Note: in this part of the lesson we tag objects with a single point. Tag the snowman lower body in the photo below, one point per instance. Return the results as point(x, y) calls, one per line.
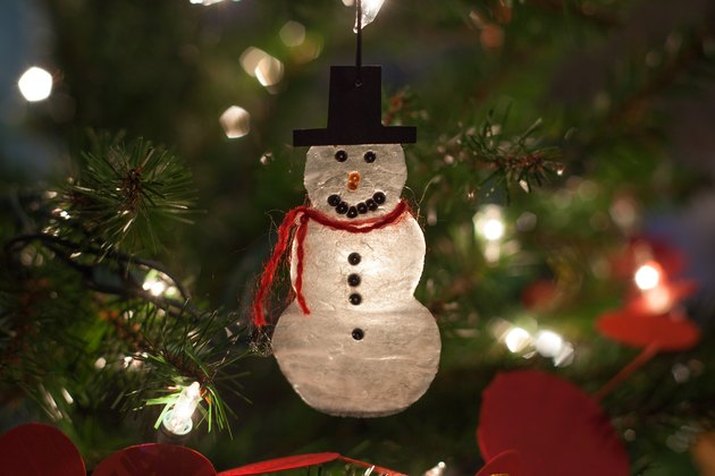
point(358, 363)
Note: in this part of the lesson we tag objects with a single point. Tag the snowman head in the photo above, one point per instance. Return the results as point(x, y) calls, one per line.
point(355, 182)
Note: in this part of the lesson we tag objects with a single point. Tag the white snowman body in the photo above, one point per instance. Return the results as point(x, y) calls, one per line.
point(367, 348)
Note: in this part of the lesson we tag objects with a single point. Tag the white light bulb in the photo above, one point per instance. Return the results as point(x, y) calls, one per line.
point(292, 34)
point(155, 287)
point(438, 470)
point(658, 300)
point(493, 229)
point(179, 419)
point(647, 276)
point(269, 71)
point(489, 223)
point(35, 84)
point(236, 122)
point(548, 343)
point(516, 339)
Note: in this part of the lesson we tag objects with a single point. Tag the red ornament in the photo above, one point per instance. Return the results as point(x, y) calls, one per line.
point(506, 463)
point(642, 249)
point(282, 464)
point(671, 331)
point(39, 450)
point(157, 460)
point(303, 461)
point(661, 299)
point(554, 426)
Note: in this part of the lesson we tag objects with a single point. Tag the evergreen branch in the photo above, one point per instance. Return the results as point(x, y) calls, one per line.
point(180, 344)
point(74, 255)
point(125, 192)
point(519, 160)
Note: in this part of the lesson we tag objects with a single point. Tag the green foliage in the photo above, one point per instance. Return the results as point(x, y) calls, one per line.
point(511, 162)
point(87, 308)
point(86, 329)
point(125, 192)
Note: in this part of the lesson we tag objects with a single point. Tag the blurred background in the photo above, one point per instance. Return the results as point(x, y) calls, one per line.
point(523, 257)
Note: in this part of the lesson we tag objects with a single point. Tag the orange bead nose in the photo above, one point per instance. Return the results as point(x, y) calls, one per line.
point(353, 181)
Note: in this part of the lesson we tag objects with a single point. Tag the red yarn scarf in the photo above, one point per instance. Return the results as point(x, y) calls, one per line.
point(299, 217)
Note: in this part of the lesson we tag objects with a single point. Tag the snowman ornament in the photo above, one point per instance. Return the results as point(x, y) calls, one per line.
point(354, 342)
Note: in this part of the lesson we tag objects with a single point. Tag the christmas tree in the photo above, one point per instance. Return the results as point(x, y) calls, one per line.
point(561, 176)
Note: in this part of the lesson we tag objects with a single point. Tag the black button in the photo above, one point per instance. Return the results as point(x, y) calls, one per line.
point(361, 208)
point(379, 198)
point(352, 212)
point(354, 258)
point(334, 200)
point(354, 280)
point(358, 334)
point(341, 156)
point(370, 157)
point(370, 204)
point(342, 208)
point(355, 299)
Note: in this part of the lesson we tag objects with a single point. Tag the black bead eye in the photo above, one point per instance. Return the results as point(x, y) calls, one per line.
point(370, 156)
point(341, 156)
point(379, 198)
point(334, 200)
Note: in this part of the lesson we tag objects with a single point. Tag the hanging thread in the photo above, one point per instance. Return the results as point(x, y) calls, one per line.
point(358, 46)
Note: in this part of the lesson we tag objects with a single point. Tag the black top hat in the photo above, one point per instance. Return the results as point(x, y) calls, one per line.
point(354, 112)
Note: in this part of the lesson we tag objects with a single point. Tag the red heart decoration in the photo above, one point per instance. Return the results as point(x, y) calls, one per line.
point(556, 428)
point(282, 464)
point(155, 459)
point(39, 450)
point(671, 331)
point(507, 463)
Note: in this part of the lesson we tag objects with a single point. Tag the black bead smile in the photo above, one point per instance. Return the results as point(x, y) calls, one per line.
point(352, 211)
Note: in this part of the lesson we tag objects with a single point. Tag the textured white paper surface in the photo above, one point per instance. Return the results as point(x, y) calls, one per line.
point(325, 176)
point(396, 359)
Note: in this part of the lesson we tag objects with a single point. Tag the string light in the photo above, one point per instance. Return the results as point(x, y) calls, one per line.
point(262, 66)
point(154, 287)
point(159, 284)
point(493, 229)
point(438, 470)
point(517, 339)
point(269, 71)
point(648, 276)
point(292, 34)
point(659, 299)
point(489, 223)
point(179, 418)
point(35, 84)
point(236, 122)
point(548, 343)
point(100, 363)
